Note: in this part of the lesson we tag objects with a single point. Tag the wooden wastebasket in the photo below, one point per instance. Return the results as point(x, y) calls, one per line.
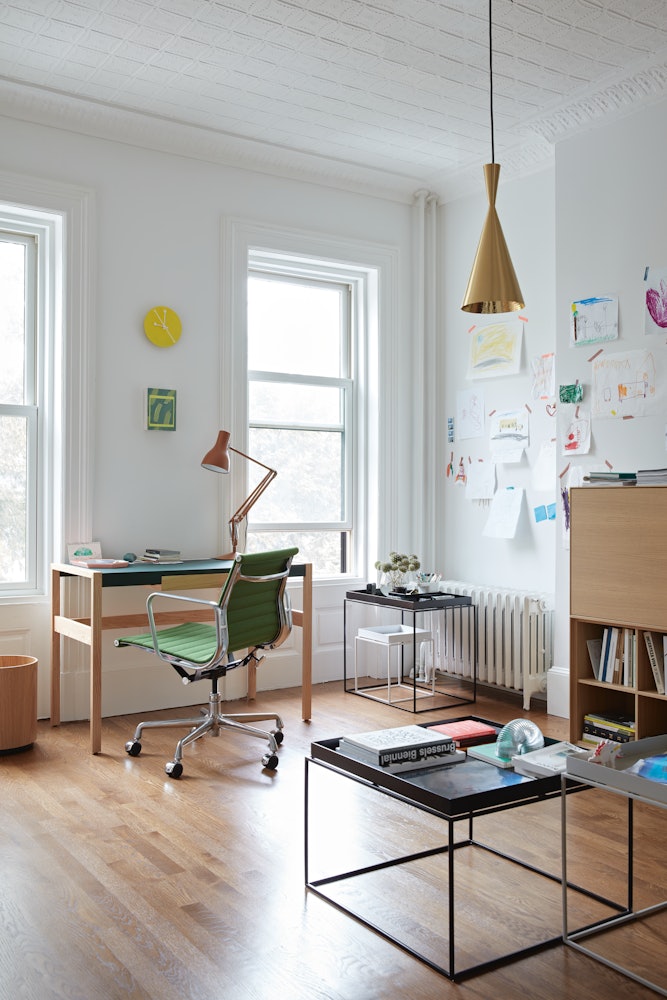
point(18, 703)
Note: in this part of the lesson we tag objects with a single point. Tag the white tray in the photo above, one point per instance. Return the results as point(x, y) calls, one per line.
point(394, 634)
point(615, 777)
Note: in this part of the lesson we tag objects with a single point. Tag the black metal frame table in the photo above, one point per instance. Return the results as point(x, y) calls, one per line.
point(409, 606)
point(454, 793)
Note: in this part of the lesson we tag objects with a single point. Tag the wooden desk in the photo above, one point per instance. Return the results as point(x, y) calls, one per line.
point(188, 575)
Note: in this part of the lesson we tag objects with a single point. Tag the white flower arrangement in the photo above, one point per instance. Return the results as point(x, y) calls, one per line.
point(397, 566)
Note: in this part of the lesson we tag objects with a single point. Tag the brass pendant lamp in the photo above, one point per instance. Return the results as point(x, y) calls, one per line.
point(493, 286)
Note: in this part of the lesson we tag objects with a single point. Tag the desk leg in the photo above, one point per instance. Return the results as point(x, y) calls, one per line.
point(96, 663)
point(307, 645)
point(55, 648)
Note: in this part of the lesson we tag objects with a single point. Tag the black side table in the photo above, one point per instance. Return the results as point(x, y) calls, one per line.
point(417, 686)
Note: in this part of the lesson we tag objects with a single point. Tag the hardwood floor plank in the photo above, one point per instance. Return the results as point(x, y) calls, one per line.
point(121, 883)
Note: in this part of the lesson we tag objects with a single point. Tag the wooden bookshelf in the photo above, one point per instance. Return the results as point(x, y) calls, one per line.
point(618, 577)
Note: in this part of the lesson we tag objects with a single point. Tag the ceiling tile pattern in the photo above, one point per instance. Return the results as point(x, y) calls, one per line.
point(389, 92)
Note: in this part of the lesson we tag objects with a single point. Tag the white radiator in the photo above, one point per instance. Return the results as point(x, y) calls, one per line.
point(514, 638)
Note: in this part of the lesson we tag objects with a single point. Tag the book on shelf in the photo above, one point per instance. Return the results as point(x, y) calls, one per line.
point(546, 761)
point(589, 740)
point(594, 647)
point(609, 726)
point(594, 734)
point(488, 753)
point(613, 718)
point(656, 661)
point(402, 748)
point(467, 732)
point(611, 674)
point(629, 674)
point(604, 653)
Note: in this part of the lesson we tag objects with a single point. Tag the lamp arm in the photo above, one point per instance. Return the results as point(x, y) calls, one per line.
point(254, 496)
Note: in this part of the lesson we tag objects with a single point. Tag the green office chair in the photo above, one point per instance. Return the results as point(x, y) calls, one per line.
point(252, 613)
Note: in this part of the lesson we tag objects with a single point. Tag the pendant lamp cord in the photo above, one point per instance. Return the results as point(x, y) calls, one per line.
point(493, 148)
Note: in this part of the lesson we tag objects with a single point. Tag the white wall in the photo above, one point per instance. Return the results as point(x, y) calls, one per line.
point(158, 241)
point(526, 211)
point(589, 227)
point(611, 224)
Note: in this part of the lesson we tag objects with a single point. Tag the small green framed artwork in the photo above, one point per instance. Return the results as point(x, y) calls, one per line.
point(160, 409)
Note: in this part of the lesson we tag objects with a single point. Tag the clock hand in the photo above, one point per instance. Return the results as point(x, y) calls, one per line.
point(161, 320)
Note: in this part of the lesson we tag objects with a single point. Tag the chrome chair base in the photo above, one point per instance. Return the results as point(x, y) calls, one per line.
point(212, 720)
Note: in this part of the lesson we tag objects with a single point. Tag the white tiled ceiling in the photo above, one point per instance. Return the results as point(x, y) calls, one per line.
point(390, 94)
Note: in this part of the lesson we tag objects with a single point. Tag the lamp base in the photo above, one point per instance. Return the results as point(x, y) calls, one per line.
point(227, 557)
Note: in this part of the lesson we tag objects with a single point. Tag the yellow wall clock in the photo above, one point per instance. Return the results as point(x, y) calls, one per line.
point(162, 326)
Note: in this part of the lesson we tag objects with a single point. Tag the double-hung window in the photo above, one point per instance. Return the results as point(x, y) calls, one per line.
point(301, 348)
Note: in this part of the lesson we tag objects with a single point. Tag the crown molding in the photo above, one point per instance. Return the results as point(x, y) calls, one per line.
point(603, 105)
point(54, 109)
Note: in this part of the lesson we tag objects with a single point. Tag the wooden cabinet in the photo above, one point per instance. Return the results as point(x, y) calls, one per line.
point(618, 577)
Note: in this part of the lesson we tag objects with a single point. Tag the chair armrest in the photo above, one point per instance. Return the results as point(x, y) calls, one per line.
point(219, 614)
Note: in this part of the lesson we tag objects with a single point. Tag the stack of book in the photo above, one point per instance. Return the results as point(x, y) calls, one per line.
point(467, 732)
point(161, 556)
point(652, 477)
point(547, 760)
point(608, 726)
point(611, 479)
point(488, 752)
point(404, 748)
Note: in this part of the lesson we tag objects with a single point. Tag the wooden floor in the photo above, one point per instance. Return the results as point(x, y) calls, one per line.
point(118, 882)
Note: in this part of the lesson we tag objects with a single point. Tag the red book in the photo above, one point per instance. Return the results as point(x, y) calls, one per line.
point(467, 732)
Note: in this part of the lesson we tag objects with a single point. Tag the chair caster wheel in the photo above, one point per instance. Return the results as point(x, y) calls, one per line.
point(278, 735)
point(174, 768)
point(270, 761)
point(133, 747)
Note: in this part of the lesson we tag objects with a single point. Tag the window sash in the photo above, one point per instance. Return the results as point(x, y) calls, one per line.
point(342, 383)
point(30, 415)
point(27, 410)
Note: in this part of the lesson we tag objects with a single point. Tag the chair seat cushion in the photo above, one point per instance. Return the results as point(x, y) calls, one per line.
point(194, 641)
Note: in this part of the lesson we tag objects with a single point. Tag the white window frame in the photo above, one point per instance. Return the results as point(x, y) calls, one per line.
point(373, 268)
point(31, 410)
point(321, 274)
point(61, 216)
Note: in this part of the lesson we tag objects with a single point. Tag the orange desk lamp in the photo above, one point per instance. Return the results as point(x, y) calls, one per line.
point(217, 460)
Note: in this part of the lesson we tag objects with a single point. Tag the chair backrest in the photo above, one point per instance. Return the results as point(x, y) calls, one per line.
point(258, 612)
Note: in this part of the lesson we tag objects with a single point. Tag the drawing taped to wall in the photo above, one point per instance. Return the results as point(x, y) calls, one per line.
point(509, 435)
point(544, 384)
point(655, 313)
point(624, 384)
point(593, 320)
point(504, 514)
point(573, 393)
point(481, 480)
point(543, 470)
point(575, 428)
point(495, 349)
point(470, 413)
